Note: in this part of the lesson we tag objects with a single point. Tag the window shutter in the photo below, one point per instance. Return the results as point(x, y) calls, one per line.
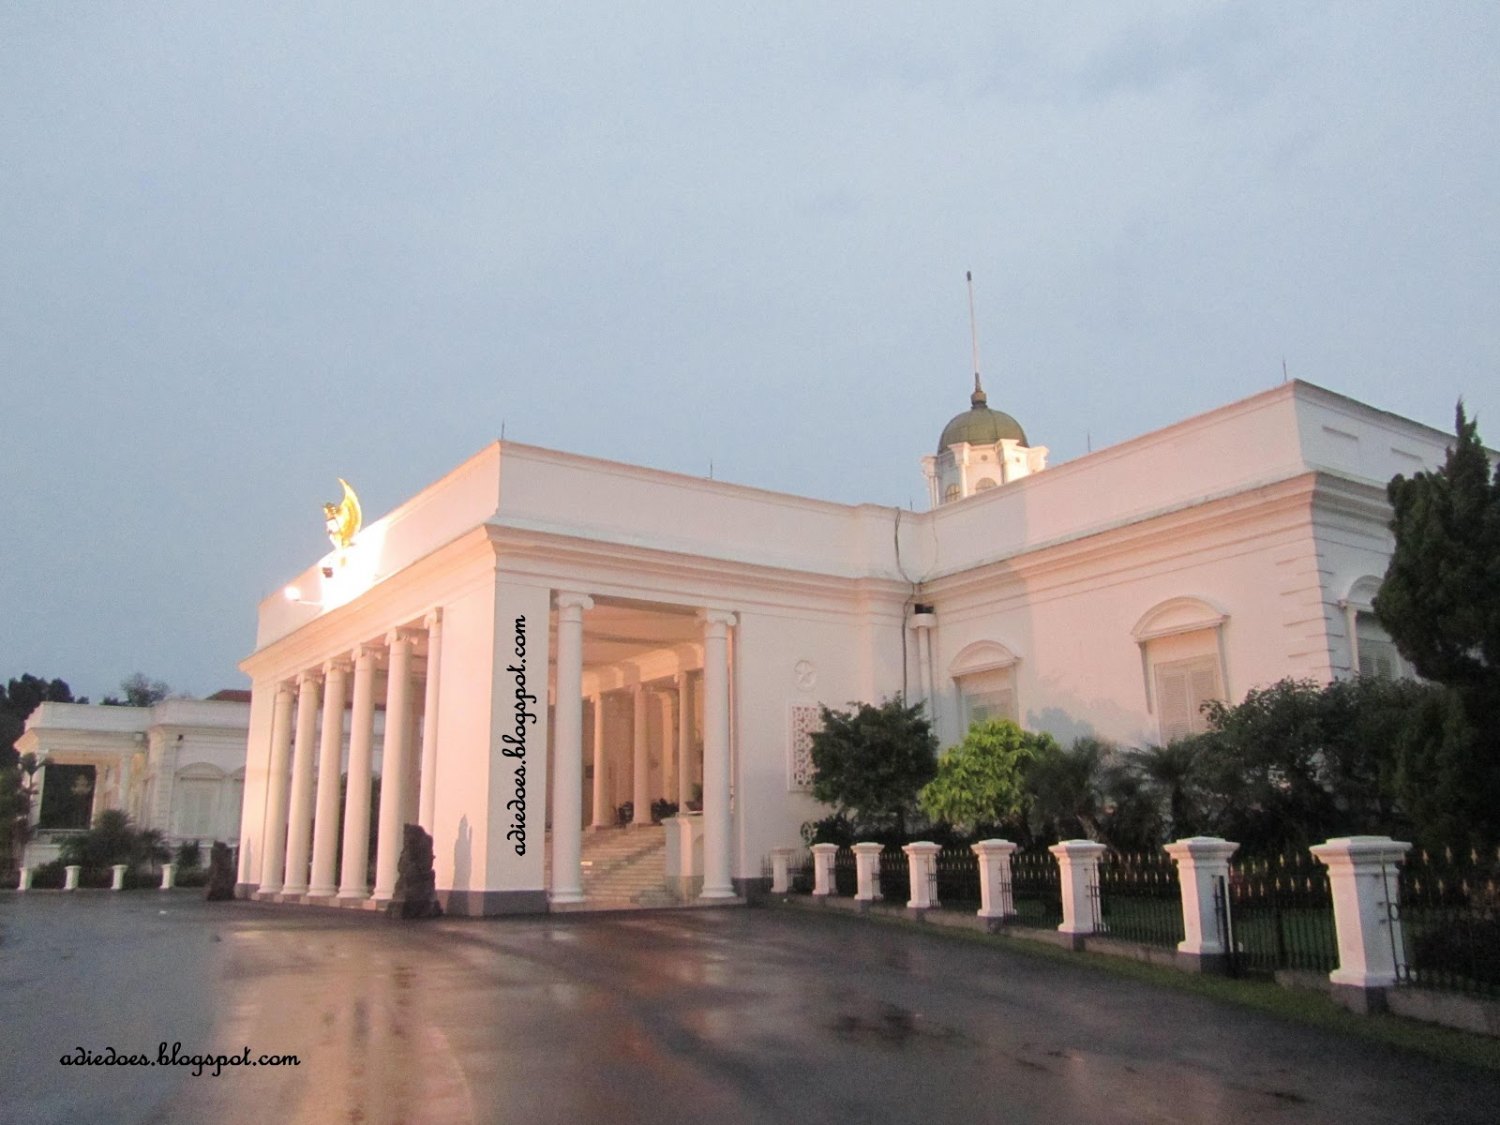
point(1173, 704)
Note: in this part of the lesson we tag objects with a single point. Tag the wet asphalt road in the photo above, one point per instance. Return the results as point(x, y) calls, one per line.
point(703, 1016)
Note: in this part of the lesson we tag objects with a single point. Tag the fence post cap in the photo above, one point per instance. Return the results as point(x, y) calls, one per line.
point(782, 851)
point(1078, 849)
point(1201, 847)
point(1360, 850)
point(867, 847)
point(993, 847)
point(825, 849)
point(921, 847)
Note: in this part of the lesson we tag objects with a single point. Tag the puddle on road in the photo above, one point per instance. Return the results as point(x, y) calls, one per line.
point(892, 1026)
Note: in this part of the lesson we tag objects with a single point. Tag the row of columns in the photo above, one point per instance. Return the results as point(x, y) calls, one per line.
point(301, 838)
point(677, 761)
point(567, 791)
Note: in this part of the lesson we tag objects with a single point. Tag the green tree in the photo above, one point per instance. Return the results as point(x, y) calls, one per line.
point(1067, 789)
point(870, 763)
point(1440, 602)
point(18, 699)
point(138, 690)
point(981, 782)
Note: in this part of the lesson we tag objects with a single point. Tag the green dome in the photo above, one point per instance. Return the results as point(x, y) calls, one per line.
point(979, 425)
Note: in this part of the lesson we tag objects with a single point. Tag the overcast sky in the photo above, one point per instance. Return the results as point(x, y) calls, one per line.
point(249, 248)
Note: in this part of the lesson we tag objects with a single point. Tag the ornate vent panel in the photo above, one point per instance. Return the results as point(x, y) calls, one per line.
point(806, 718)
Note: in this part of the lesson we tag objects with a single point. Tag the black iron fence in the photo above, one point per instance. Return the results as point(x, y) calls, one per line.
point(958, 878)
point(1036, 889)
point(1449, 908)
point(1277, 913)
point(845, 874)
point(895, 876)
point(1139, 898)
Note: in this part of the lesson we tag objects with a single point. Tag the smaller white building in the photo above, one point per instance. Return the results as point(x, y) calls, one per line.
point(178, 767)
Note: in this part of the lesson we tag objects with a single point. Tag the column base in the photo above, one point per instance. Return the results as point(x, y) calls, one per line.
point(717, 893)
point(1365, 1001)
point(321, 892)
point(352, 895)
point(1216, 963)
point(565, 898)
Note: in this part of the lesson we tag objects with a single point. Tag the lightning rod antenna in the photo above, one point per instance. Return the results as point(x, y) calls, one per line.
point(973, 331)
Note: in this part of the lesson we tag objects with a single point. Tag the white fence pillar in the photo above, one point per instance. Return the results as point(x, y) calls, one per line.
point(781, 865)
point(70, 877)
point(25, 883)
point(995, 898)
point(1362, 876)
point(867, 872)
point(823, 855)
point(1202, 867)
point(168, 876)
point(1078, 867)
point(922, 868)
point(119, 880)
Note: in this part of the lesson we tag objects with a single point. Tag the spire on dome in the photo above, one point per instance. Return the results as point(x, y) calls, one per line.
point(977, 399)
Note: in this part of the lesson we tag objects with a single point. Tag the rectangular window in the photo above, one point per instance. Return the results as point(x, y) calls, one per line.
point(989, 695)
point(1377, 652)
point(197, 803)
point(1182, 687)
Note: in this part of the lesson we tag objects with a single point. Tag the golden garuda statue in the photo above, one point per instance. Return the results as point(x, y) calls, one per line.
point(343, 519)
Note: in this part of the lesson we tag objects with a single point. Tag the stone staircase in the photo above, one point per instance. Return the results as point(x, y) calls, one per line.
point(625, 869)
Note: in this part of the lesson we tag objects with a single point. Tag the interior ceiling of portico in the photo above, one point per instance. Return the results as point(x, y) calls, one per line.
point(618, 630)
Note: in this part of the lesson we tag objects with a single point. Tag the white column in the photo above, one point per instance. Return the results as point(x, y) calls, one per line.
point(567, 765)
point(24, 884)
point(867, 872)
point(354, 876)
point(1202, 865)
point(330, 767)
point(668, 701)
point(922, 624)
point(684, 740)
point(393, 762)
point(921, 866)
point(640, 760)
point(299, 834)
point(603, 814)
point(1362, 875)
point(995, 897)
point(70, 876)
point(717, 875)
point(781, 874)
point(427, 799)
point(118, 884)
point(823, 857)
point(168, 876)
point(273, 845)
point(1078, 867)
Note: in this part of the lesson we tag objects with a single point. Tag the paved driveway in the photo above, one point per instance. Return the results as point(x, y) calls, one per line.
point(710, 1017)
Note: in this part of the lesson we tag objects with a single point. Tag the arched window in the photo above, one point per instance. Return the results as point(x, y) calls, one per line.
point(985, 675)
point(1371, 650)
point(951, 493)
point(1182, 661)
point(983, 483)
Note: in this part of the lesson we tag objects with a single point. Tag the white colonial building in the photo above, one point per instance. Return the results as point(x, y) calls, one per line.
point(552, 636)
point(178, 767)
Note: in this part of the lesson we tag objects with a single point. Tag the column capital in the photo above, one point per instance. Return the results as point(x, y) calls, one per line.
point(571, 599)
point(433, 620)
point(402, 635)
point(285, 688)
point(717, 618)
point(337, 664)
point(309, 676)
point(366, 652)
